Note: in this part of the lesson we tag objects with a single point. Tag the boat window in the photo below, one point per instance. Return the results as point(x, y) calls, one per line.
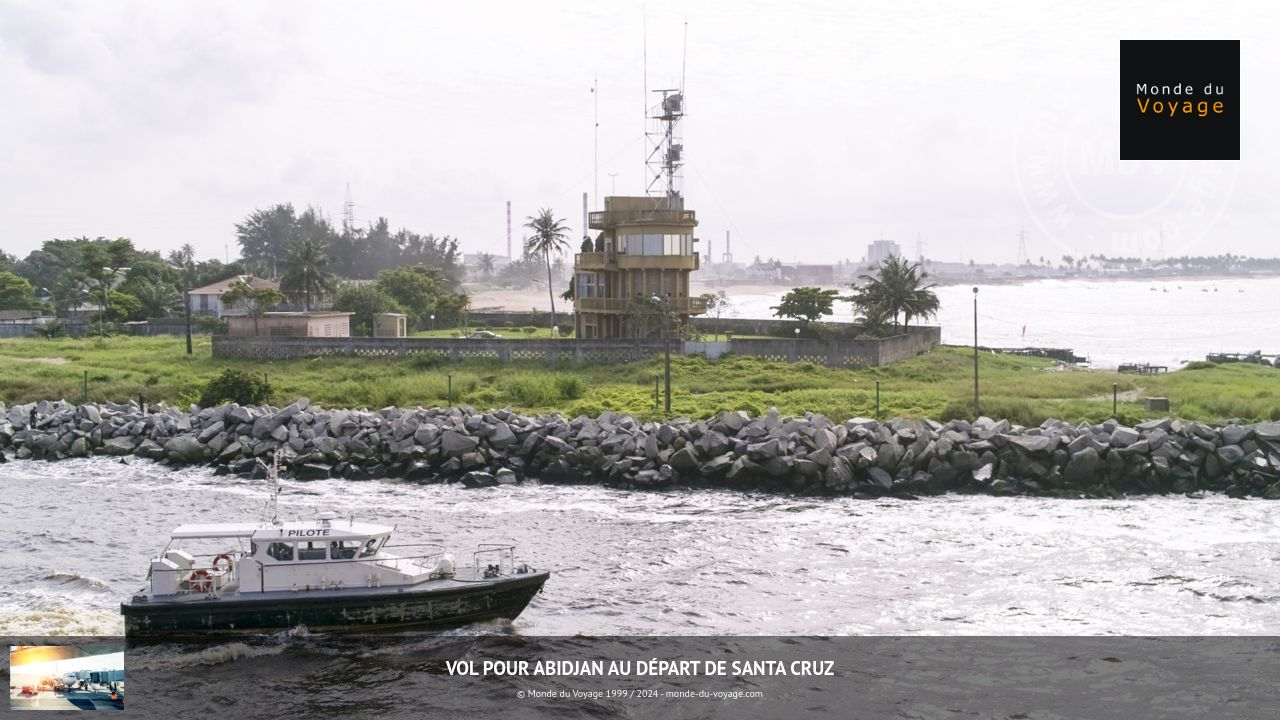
point(371, 547)
point(311, 552)
point(280, 551)
point(343, 549)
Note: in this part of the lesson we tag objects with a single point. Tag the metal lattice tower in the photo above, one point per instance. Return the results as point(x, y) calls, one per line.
point(666, 148)
point(1022, 246)
point(348, 213)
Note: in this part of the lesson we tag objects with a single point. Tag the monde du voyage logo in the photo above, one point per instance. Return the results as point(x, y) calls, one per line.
point(1179, 99)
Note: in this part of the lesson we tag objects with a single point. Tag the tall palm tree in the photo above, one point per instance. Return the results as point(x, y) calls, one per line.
point(486, 264)
point(306, 273)
point(549, 235)
point(896, 289)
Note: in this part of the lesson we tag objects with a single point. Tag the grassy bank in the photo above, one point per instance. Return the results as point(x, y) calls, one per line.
point(937, 385)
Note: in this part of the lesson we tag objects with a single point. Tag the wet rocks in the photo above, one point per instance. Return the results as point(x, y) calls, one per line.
point(810, 454)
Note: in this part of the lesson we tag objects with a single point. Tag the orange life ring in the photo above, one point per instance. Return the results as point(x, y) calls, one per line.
point(201, 581)
point(220, 558)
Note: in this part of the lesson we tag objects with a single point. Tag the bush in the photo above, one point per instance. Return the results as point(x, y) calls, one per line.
point(211, 325)
point(528, 330)
point(1200, 365)
point(101, 328)
point(50, 330)
point(570, 387)
point(235, 386)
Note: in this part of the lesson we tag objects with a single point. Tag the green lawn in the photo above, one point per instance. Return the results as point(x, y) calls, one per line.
point(937, 385)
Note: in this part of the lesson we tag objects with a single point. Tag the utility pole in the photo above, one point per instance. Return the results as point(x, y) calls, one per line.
point(664, 304)
point(187, 308)
point(509, 257)
point(976, 412)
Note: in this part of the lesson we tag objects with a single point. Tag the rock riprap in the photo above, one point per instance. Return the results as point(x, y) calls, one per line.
point(810, 454)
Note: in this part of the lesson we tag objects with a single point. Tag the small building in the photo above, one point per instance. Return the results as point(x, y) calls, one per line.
point(393, 325)
point(316, 323)
point(207, 300)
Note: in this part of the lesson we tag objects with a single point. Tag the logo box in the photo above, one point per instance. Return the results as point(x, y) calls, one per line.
point(1179, 99)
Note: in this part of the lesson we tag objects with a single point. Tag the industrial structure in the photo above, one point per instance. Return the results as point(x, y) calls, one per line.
point(641, 259)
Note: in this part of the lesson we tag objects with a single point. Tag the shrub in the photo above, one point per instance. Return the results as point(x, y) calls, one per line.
point(211, 325)
point(50, 330)
point(570, 387)
point(529, 330)
point(1200, 365)
point(236, 386)
point(101, 328)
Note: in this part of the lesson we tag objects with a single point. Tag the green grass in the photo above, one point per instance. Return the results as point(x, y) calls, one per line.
point(937, 385)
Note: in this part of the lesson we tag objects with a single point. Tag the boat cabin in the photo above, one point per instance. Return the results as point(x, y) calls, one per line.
point(325, 553)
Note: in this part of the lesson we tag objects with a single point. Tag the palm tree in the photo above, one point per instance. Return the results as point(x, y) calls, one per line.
point(486, 264)
point(306, 272)
point(159, 300)
point(549, 235)
point(182, 257)
point(896, 289)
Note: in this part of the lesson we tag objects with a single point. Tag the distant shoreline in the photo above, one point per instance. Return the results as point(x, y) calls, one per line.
point(497, 300)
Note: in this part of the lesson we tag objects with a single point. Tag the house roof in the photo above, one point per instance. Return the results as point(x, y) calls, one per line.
point(222, 286)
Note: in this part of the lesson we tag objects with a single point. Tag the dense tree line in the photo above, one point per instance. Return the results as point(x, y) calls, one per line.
point(124, 283)
point(267, 235)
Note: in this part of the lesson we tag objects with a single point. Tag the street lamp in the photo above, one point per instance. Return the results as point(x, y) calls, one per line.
point(666, 353)
point(433, 323)
point(796, 350)
point(976, 413)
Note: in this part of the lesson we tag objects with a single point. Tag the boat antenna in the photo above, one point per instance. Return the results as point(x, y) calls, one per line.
point(274, 474)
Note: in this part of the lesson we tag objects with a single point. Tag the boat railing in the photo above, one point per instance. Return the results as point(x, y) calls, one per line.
point(498, 552)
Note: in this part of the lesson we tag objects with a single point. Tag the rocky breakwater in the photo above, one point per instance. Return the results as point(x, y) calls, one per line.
point(809, 454)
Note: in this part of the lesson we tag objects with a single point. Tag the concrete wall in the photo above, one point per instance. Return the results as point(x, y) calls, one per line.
point(836, 353)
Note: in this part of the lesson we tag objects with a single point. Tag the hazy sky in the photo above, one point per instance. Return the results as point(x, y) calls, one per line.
point(813, 127)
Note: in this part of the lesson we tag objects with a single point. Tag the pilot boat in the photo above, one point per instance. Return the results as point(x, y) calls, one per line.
point(327, 574)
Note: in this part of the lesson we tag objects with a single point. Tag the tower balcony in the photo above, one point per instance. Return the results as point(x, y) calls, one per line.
point(680, 305)
point(615, 261)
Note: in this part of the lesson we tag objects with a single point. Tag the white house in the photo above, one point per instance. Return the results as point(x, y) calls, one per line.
point(207, 300)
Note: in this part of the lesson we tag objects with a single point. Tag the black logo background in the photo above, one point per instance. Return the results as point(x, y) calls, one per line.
point(1183, 137)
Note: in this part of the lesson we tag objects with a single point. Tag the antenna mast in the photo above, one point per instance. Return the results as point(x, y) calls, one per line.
point(1022, 246)
point(348, 213)
point(595, 96)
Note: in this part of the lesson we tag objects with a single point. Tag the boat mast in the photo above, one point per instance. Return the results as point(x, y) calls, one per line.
point(274, 474)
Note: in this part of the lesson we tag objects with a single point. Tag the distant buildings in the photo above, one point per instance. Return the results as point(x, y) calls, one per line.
point(880, 250)
point(645, 251)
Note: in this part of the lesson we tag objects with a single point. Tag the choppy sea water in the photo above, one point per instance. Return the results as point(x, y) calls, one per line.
point(1158, 321)
point(693, 562)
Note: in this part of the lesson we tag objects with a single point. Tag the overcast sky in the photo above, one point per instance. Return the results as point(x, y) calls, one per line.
point(813, 127)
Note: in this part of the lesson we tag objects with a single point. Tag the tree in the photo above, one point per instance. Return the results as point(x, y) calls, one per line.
point(549, 236)
point(16, 293)
point(183, 256)
point(649, 315)
point(420, 291)
point(897, 289)
point(365, 301)
point(264, 236)
point(100, 264)
point(806, 304)
point(255, 302)
point(306, 273)
point(717, 306)
point(7, 261)
point(156, 300)
point(123, 306)
point(486, 264)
